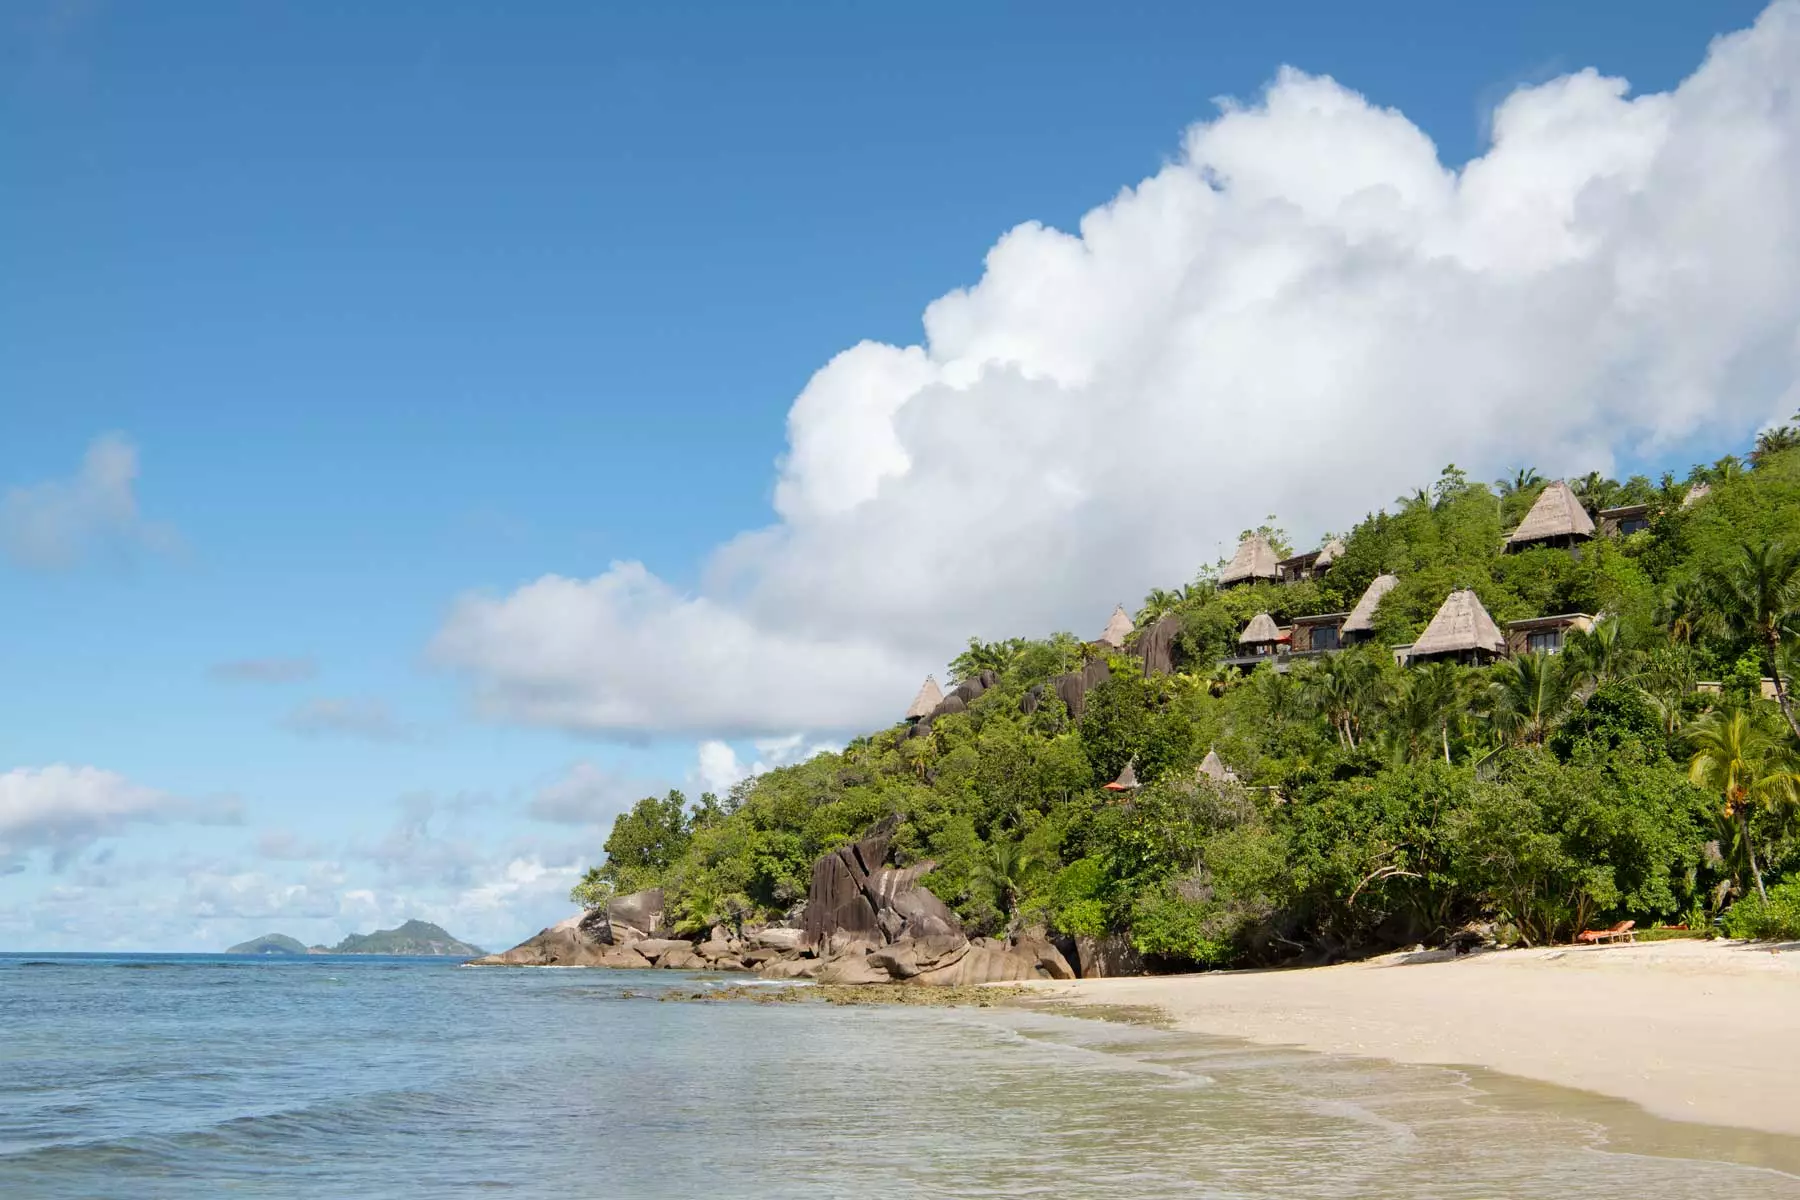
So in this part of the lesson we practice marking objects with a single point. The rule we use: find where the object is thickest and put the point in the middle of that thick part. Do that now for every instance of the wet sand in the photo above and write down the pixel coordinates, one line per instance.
(1691, 1031)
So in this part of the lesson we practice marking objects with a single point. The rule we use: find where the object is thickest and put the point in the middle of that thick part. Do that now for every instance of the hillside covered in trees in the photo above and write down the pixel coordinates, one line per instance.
(1644, 772)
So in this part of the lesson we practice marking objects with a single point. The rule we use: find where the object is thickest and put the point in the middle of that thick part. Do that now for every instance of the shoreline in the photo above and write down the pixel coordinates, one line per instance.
(1706, 1033)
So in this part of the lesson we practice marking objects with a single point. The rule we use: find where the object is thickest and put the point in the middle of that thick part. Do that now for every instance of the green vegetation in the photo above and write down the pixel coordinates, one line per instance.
(415, 938)
(1375, 805)
(269, 943)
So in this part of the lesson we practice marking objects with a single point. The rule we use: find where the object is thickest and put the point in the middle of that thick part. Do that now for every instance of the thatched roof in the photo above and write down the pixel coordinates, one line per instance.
(1213, 768)
(1557, 513)
(1255, 559)
(1118, 628)
(1697, 493)
(929, 697)
(1362, 617)
(1329, 553)
(1461, 624)
(1127, 780)
(1262, 628)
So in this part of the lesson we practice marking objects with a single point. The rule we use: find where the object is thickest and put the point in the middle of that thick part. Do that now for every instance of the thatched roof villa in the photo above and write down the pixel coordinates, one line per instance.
(1212, 769)
(1310, 565)
(1359, 626)
(1556, 519)
(1261, 635)
(1255, 559)
(1118, 628)
(926, 702)
(1460, 630)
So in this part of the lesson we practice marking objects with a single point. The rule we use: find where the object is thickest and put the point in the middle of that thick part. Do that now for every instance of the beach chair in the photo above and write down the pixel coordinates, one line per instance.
(1624, 931)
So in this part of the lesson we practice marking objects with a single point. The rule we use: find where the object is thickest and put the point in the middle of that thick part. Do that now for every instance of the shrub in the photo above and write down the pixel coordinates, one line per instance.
(1776, 920)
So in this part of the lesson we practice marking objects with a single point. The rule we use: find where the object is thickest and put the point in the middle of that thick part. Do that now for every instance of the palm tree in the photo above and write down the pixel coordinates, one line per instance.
(1746, 767)
(1530, 694)
(1689, 610)
(1758, 596)
(1523, 480)
(1421, 710)
(1594, 489)
(1598, 656)
(1342, 690)
(1158, 602)
(1008, 870)
(1771, 442)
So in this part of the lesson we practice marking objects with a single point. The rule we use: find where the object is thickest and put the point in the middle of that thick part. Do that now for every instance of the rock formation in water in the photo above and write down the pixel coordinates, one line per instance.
(864, 921)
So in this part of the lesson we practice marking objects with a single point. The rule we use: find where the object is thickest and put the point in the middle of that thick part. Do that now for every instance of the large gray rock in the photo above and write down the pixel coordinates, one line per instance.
(775, 938)
(851, 968)
(1107, 956)
(635, 915)
(655, 948)
(854, 897)
(981, 964)
(680, 959)
(1048, 958)
(790, 968)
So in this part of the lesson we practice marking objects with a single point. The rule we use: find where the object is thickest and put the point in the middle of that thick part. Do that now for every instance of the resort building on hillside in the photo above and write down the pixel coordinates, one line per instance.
(1557, 519)
(1317, 634)
(1544, 635)
(1460, 631)
(1262, 638)
(1359, 626)
(1118, 628)
(1212, 769)
(1624, 520)
(1310, 565)
(926, 702)
(1254, 560)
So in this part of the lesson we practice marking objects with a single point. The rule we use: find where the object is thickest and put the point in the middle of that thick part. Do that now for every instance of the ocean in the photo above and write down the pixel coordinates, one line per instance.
(149, 1076)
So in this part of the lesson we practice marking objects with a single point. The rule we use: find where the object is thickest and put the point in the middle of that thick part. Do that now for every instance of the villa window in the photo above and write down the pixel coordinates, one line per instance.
(1544, 641)
(1324, 637)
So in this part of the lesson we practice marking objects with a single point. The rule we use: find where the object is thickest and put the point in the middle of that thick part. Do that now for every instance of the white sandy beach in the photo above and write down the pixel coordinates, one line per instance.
(1690, 1030)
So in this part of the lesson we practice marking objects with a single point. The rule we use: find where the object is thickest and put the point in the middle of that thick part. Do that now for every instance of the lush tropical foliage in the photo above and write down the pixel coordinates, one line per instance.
(1643, 772)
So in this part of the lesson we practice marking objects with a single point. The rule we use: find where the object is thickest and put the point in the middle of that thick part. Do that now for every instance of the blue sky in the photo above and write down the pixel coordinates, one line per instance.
(353, 313)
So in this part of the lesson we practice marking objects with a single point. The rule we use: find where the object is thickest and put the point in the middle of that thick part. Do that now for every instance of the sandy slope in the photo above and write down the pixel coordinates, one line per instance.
(1691, 1030)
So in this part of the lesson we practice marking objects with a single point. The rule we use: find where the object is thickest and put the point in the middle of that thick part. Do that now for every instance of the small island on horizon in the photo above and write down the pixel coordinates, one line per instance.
(419, 939)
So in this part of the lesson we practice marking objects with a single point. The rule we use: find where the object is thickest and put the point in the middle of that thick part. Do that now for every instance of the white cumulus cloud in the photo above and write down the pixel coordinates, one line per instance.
(1304, 312)
(64, 809)
(55, 524)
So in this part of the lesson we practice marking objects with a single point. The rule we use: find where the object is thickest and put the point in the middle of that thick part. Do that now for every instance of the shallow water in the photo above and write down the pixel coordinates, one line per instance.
(184, 1076)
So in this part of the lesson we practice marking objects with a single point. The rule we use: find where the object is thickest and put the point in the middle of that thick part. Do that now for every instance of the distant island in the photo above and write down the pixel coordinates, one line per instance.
(414, 938)
(269, 943)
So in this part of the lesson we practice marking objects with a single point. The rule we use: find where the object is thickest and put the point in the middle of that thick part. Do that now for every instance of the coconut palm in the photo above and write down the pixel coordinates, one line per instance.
(1344, 689)
(1771, 442)
(1523, 480)
(1689, 611)
(1598, 656)
(1158, 602)
(1758, 597)
(1429, 699)
(1748, 769)
(1530, 694)
(1007, 870)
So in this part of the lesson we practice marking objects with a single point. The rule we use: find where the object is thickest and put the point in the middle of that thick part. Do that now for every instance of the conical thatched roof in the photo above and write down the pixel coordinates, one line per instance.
(1213, 768)
(1461, 624)
(929, 697)
(1255, 559)
(1127, 780)
(1697, 493)
(1262, 628)
(1329, 553)
(1557, 513)
(1362, 617)
(1118, 628)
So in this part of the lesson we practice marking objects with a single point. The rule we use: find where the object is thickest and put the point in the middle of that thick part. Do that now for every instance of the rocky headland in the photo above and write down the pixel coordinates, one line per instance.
(863, 922)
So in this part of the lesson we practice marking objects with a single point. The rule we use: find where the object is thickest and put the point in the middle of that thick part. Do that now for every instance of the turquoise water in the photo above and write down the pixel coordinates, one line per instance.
(194, 1076)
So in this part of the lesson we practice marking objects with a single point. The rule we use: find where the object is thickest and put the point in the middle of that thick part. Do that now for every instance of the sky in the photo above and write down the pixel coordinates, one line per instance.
(426, 428)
